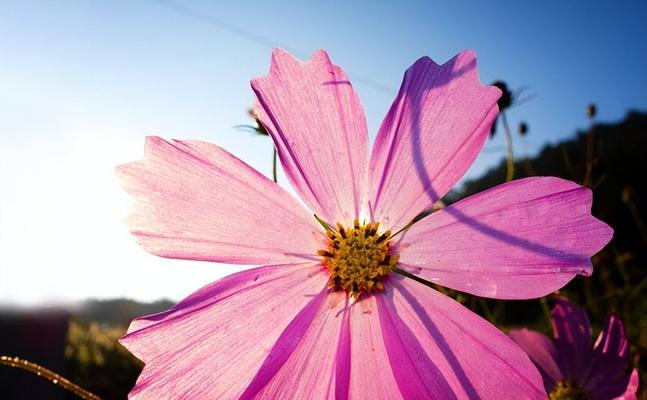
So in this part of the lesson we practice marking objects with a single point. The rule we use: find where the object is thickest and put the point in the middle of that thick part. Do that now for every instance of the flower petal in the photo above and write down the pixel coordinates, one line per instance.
(453, 352)
(608, 362)
(519, 240)
(542, 353)
(631, 388)
(319, 128)
(572, 332)
(371, 375)
(414, 372)
(304, 361)
(211, 344)
(196, 201)
(431, 135)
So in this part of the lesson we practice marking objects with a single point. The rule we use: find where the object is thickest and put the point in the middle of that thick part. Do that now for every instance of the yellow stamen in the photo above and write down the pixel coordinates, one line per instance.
(358, 258)
(568, 391)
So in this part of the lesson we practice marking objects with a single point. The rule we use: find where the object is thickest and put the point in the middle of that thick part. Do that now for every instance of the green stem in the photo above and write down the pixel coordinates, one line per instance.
(508, 139)
(51, 376)
(274, 164)
(586, 181)
(544, 306)
(415, 219)
(414, 277)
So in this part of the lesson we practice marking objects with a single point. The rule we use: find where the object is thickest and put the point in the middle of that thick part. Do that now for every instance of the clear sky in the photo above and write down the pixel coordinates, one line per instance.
(82, 83)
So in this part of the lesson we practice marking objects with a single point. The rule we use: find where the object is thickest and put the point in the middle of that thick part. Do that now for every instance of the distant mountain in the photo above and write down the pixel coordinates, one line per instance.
(117, 312)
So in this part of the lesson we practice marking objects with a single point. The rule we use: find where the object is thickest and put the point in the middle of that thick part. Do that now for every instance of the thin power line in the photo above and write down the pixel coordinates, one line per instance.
(259, 39)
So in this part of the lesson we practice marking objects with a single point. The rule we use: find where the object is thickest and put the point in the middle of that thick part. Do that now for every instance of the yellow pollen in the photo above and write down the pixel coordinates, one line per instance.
(358, 258)
(568, 391)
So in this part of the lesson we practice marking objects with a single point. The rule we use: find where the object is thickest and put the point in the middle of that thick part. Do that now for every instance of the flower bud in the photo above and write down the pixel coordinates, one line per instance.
(505, 101)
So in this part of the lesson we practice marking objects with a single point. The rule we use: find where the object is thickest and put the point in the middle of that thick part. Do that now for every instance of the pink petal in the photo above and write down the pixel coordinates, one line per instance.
(572, 331)
(431, 135)
(519, 240)
(543, 354)
(319, 128)
(609, 360)
(371, 375)
(196, 201)
(304, 361)
(414, 372)
(212, 344)
(632, 387)
(449, 350)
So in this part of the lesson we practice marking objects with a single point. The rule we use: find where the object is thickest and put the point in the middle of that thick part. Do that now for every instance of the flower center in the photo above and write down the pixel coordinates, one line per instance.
(568, 391)
(358, 258)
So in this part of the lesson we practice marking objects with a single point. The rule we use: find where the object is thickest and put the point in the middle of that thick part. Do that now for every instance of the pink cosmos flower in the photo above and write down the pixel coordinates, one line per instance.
(571, 367)
(328, 316)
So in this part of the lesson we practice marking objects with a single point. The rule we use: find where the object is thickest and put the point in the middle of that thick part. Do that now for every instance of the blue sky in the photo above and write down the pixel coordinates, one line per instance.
(82, 82)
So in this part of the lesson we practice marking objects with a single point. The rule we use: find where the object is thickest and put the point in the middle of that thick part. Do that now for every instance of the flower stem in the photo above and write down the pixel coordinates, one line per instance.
(586, 181)
(546, 309)
(415, 219)
(51, 376)
(414, 277)
(508, 139)
(274, 164)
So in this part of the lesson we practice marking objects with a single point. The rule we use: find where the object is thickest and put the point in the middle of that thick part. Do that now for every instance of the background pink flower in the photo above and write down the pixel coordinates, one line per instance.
(571, 364)
(285, 330)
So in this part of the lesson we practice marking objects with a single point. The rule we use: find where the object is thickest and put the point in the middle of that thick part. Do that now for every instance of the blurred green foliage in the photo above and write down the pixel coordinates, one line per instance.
(97, 361)
(94, 358)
